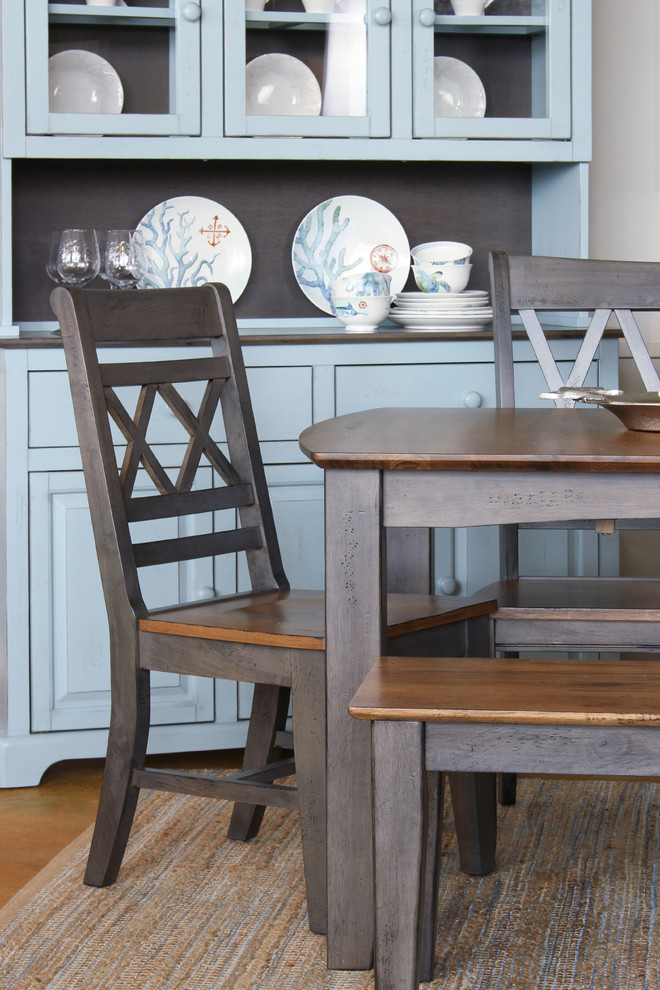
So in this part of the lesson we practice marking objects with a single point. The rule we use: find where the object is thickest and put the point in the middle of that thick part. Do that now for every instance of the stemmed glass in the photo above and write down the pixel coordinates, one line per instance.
(124, 259)
(74, 257)
(51, 264)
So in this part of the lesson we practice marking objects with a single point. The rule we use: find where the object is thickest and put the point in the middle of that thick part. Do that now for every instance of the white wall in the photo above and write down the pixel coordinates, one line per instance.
(625, 173)
(624, 178)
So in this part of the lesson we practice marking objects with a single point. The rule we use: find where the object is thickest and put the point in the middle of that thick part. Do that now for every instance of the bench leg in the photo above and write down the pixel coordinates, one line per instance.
(400, 816)
(433, 804)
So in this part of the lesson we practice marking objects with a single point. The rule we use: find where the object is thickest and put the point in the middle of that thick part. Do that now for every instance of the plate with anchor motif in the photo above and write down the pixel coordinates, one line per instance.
(190, 240)
(348, 234)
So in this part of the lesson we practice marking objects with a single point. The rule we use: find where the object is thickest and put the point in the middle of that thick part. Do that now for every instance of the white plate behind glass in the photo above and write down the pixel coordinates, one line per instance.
(190, 240)
(281, 85)
(346, 234)
(82, 82)
(458, 89)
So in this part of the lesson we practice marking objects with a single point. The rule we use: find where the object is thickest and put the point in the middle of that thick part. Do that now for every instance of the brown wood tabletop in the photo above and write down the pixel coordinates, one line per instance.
(432, 439)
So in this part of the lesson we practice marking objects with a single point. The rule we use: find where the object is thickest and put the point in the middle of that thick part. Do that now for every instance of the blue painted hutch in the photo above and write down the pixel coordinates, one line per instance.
(515, 178)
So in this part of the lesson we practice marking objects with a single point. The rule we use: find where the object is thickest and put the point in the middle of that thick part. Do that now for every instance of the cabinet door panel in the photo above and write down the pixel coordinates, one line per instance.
(68, 626)
(318, 75)
(520, 59)
(155, 52)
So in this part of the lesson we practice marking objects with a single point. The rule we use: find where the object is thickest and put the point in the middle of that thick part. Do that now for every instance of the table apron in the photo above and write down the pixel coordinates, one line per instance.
(482, 498)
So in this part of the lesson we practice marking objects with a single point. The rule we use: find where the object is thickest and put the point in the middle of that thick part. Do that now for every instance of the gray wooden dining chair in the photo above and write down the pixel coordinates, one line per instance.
(268, 635)
(577, 614)
(538, 716)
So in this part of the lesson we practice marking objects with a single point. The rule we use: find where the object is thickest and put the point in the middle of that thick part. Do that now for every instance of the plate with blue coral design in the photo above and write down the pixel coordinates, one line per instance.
(190, 240)
(348, 234)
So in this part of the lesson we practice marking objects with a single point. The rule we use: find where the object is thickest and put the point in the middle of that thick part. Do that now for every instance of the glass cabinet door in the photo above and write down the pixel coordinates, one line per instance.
(113, 69)
(321, 71)
(502, 74)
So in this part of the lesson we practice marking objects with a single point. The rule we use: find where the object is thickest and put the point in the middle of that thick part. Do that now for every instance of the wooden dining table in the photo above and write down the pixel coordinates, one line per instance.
(433, 467)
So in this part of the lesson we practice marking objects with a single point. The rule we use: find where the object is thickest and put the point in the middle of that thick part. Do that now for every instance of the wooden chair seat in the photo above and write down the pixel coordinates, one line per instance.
(578, 614)
(593, 717)
(296, 619)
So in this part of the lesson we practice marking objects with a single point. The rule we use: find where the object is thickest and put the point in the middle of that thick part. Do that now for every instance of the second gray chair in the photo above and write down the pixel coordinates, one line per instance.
(576, 614)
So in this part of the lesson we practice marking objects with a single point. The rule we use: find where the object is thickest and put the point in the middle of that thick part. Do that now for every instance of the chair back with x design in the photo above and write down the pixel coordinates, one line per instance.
(610, 291)
(100, 396)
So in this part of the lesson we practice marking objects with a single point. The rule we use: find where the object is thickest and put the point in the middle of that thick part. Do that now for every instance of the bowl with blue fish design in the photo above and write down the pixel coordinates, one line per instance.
(441, 278)
(360, 312)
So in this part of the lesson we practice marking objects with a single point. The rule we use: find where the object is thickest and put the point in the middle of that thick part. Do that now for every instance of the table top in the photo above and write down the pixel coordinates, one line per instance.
(435, 439)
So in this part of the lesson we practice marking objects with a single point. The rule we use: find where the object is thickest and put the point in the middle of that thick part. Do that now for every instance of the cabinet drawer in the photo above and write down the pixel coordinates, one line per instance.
(362, 387)
(281, 397)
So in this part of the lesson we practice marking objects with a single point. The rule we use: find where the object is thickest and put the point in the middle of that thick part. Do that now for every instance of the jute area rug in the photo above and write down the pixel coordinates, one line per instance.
(572, 904)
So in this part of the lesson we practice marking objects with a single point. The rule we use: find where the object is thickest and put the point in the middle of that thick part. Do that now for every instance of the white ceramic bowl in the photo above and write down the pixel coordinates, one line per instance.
(361, 284)
(442, 252)
(360, 313)
(319, 6)
(441, 278)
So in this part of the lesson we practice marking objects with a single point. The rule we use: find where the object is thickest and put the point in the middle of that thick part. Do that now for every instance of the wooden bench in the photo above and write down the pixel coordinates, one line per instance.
(590, 717)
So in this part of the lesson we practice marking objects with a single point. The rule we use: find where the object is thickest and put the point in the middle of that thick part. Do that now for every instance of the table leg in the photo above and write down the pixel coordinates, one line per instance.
(354, 637)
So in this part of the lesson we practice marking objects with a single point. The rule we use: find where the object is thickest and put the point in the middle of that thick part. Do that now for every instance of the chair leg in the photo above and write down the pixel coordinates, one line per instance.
(270, 706)
(399, 851)
(506, 789)
(127, 746)
(309, 733)
(474, 804)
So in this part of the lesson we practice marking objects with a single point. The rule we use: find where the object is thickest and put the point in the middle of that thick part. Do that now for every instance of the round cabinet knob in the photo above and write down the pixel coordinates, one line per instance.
(383, 15)
(446, 586)
(206, 592)
(192, 11)
(427, 17)
(472, 400)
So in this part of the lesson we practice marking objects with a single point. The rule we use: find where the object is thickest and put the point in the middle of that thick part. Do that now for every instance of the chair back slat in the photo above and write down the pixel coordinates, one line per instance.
(112, 318)
(197, 547)
(163, 372)
(191, 503)
(545, 283)
(218, 423)
(638, 349)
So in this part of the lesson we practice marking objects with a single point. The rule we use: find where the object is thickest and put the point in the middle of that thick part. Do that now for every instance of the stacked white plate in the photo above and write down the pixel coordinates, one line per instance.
(468, 310)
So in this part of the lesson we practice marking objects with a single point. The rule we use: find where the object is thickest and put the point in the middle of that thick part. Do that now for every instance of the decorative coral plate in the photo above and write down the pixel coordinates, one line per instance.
(190, 240)
(348, 234)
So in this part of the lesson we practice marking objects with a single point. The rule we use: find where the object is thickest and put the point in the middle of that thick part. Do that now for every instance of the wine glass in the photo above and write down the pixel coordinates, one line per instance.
(51, 264)
(124, 259)
(78, 259)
